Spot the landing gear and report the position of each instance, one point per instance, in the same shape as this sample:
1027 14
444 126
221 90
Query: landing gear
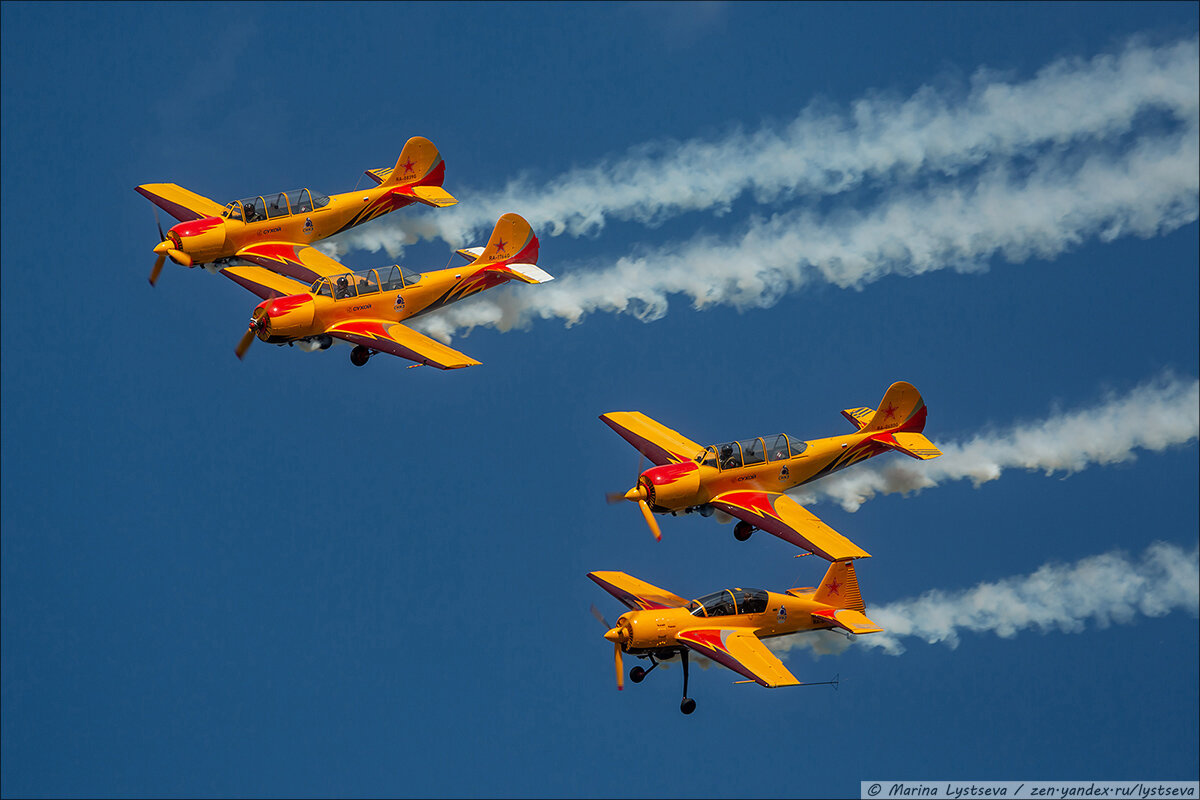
359 355
687 705
742 531
638 674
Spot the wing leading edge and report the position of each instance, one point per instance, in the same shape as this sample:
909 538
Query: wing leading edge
178 201
635 594
652 439
782 516
400 340
741 651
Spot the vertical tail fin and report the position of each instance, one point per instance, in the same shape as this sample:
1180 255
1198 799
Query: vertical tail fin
512 240
839 587
420 164
901 409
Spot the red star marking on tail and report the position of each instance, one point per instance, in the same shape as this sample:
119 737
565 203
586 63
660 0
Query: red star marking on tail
889 413
833 587
500 245
408 165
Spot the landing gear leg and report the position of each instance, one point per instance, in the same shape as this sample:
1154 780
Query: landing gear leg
638 674
742 531
688 705
359 355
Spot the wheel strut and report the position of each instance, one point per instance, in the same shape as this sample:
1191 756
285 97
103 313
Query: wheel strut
687 705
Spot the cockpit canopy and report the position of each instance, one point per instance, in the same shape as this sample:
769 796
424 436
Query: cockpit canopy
257 209
728 602
365 281
732 455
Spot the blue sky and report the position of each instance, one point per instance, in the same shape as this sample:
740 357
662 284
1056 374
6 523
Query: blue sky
292 576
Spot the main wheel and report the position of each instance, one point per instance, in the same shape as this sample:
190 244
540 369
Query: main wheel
688 705
742 531
637 674
359 355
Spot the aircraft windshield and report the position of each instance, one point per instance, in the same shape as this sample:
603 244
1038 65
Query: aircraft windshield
365 282
273 206
728 602
732 455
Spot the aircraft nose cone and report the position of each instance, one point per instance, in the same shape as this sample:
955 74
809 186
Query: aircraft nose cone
162 247
634 494
613 635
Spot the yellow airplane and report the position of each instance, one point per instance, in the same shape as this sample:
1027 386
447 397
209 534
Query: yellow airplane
728 626
747 479
250 229
366 307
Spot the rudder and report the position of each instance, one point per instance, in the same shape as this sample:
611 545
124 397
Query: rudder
901 409
512 240
839 587
420 164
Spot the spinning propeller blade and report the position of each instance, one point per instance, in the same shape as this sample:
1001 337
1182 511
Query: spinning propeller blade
162 256
620 667
158 265
244 343
650 520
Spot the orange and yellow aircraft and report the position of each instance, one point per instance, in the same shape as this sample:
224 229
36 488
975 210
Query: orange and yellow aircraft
747 479
728 626
366 307
256 228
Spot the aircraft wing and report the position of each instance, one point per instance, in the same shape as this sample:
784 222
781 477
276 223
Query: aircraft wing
782 516
264 282
300 261
178 201
741 651
635 594
400 340
652 439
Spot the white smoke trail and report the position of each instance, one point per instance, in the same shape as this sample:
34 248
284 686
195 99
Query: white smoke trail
1098 590
1154 416
1150 190
825 152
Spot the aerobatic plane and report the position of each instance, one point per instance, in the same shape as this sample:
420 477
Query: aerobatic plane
211 234
747 479
728 626
365 308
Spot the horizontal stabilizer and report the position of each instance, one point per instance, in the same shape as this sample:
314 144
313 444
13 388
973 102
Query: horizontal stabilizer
530 273
911 444
378 175
434 196
847 619
858 417
470 253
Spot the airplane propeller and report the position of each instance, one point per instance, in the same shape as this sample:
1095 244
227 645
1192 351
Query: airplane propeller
164 249
162 257
615 635
258 321
638 495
